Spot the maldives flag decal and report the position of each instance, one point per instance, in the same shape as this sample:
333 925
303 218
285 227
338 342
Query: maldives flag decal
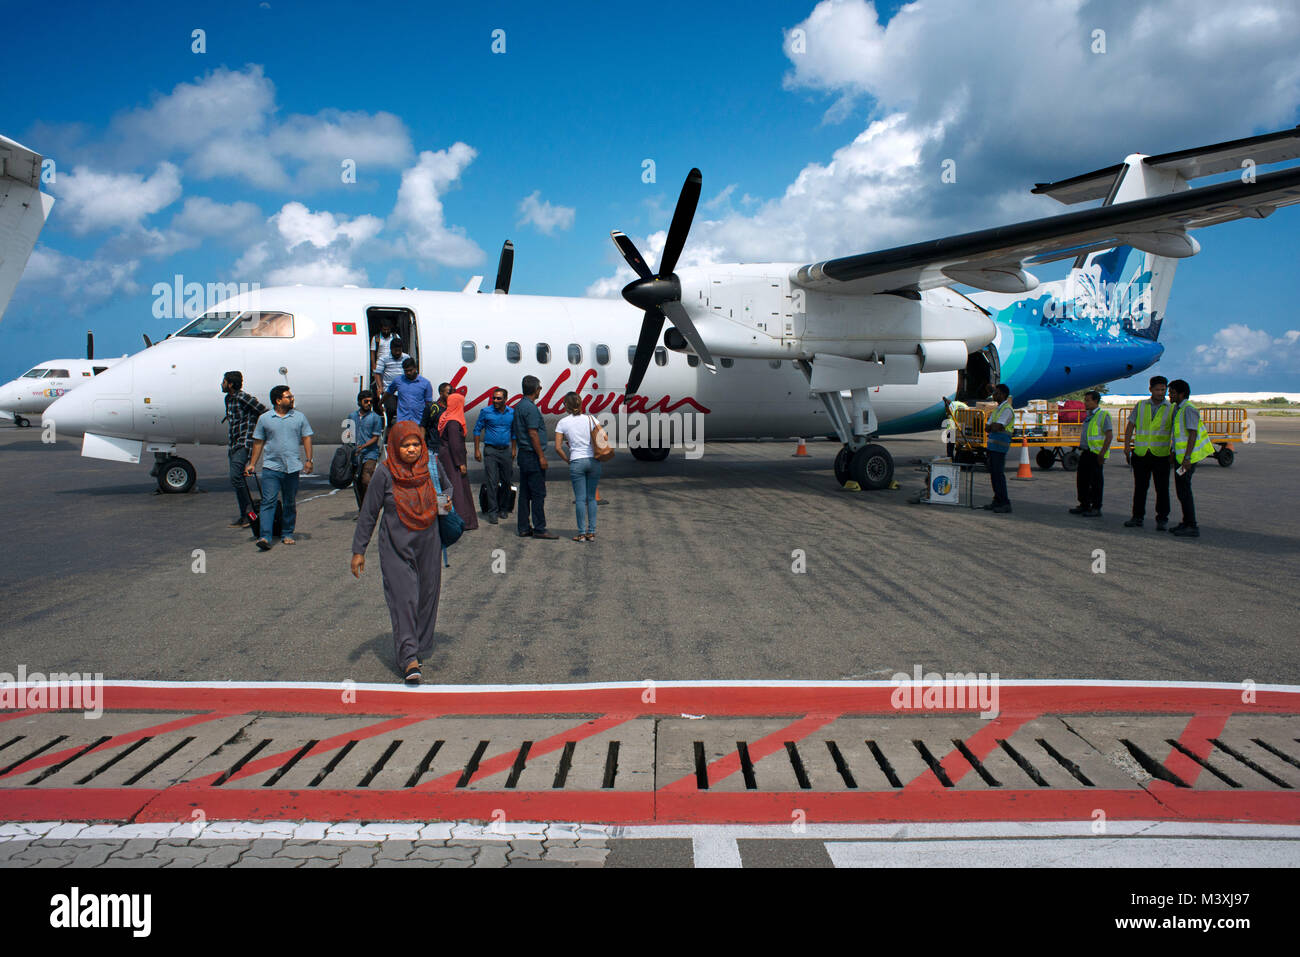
345 328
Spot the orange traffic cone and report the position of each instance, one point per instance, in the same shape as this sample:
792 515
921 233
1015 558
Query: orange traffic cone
1024 472
802 450
597 495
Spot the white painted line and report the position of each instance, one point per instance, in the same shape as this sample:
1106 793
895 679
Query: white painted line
712 849
1066 852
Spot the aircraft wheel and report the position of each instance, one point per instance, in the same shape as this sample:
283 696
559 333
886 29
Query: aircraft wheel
1225 456
872 467
842 460
650 455
21 422
176 475
1070 461
1045 458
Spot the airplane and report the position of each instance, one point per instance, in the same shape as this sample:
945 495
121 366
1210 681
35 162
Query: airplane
23 211
36 389
862 346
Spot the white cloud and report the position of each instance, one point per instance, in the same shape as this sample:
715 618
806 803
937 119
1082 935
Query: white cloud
316 248
80 283
1238 349
318 272
297 224
93 201
543 214
419 211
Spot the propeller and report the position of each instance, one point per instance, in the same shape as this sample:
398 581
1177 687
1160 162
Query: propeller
90 345
660 296
505 266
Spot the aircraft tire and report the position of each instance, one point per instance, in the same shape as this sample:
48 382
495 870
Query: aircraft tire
176 476
872 467
650 455
1045 458
842 460
21 422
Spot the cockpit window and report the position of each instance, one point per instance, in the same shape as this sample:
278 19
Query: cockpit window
261 325
58 374
35 373
207 325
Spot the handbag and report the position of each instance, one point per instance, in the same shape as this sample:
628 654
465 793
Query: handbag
600 447
450 526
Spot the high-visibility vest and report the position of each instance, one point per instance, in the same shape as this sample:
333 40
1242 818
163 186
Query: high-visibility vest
998 438
1095 436
1201 448
1151 428
951 421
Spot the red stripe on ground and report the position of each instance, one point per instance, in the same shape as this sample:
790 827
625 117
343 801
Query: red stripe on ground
7 715
273 761
643 807
714 701
729 764
1195 738
504 760
45 760
980 744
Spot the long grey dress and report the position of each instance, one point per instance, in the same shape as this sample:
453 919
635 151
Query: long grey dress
411 562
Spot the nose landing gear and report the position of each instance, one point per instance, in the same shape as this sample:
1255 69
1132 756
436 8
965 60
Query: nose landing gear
175 475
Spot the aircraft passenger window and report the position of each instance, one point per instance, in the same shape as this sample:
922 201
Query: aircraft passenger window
58 374
661 356
34 374
631 354
543 353
692 361
261 325
207 325
602 355
575 354
513 352
727 363
467 351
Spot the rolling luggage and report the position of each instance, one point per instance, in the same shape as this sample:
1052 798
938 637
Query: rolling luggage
255 512
505 498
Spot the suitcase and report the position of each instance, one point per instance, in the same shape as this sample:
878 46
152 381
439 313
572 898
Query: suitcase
505 498
255 512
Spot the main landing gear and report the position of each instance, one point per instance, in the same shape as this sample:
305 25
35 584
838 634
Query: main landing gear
175 475
860 460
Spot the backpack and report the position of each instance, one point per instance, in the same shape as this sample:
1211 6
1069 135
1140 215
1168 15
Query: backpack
343 466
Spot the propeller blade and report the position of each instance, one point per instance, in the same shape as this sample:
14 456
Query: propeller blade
90 345
651 326
629 251
679 317
505 266
147 341
681 224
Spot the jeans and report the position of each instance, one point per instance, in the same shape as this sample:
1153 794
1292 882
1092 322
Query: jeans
532 493
1183 486
238 459
1146 469
497 470
998 477
1088 480
278 484
584 474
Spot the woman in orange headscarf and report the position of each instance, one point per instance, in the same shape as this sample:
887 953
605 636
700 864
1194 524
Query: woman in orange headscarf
409 548
451 457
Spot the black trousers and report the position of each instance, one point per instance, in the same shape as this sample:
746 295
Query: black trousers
1183 486
998 477
1089 480
531 500
1146 469
498 470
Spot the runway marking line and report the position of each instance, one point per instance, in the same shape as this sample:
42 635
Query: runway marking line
808 705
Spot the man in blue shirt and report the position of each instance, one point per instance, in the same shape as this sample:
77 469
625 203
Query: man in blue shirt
367 432
279 432
497 421
414 393
530 436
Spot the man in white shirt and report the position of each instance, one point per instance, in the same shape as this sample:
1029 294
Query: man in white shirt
381 345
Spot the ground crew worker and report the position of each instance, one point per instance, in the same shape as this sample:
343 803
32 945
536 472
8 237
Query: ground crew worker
950 423
998 443
1146 449
1190 443
1094 445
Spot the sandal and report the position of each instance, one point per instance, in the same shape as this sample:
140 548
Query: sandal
288 541
591 536
579 538
412 676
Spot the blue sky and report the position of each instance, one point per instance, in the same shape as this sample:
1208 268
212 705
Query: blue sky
225 165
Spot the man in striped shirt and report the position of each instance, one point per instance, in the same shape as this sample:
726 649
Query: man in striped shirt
242 412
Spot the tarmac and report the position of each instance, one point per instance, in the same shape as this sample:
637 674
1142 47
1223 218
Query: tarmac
763 605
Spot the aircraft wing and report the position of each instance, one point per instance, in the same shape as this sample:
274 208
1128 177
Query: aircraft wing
23 209
994 258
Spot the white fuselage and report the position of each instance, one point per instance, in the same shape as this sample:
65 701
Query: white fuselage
170 393
35 391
